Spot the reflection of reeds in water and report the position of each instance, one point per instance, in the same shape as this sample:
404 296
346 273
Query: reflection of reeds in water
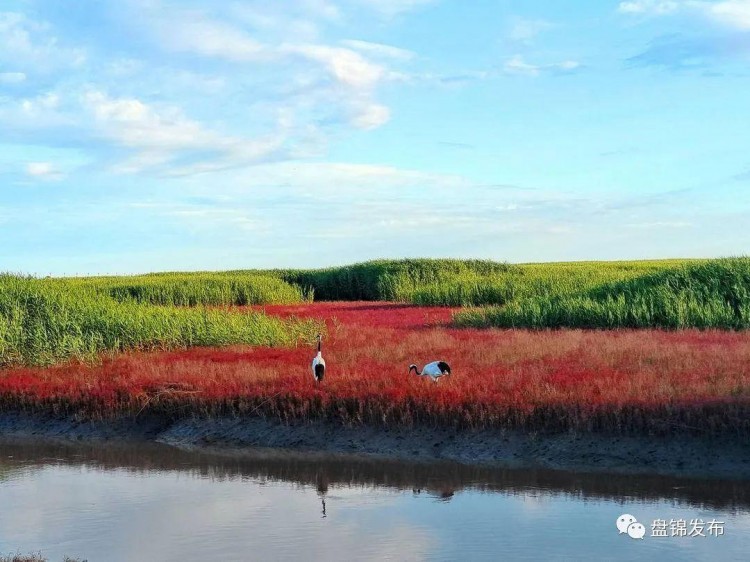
322 472
443 495
33 557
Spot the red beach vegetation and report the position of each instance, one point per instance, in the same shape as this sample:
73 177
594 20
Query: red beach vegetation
616 381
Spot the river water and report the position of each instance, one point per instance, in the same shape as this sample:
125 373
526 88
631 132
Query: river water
156 503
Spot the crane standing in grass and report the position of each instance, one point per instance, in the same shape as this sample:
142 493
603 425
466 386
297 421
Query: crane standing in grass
434 370
319 364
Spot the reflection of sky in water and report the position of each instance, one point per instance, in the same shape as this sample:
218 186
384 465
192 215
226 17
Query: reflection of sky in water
124 515
118 515
556 527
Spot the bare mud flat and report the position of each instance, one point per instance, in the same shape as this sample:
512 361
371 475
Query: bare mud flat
726 458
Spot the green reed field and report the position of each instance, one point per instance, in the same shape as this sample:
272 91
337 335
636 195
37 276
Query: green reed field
708 294
195 289
53 319
46 321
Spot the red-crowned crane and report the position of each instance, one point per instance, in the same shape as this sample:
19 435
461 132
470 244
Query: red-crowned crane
434 370
319 364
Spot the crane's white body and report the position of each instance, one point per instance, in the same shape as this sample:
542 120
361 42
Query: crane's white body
434 370
318 361
318 364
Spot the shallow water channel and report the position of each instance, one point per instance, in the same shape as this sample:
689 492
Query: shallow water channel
153 502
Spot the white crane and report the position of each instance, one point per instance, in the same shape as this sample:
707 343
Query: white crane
434 370
318 364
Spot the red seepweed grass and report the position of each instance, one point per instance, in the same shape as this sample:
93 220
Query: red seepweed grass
627 381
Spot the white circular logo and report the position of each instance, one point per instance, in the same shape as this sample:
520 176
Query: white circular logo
636 530
624 521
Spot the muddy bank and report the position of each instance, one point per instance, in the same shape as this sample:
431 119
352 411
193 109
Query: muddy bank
720 458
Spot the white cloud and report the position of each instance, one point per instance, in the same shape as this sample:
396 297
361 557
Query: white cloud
346 66
342 78
300 19
194 34
202 218
517 65
41 111
524 30
333 178
26 41
323 9
12 77
734 13
356 79
132 123
660 224
371 116
50 100
43 171
286 85
379 49
657 7
160 136
390 8
364 175
731 13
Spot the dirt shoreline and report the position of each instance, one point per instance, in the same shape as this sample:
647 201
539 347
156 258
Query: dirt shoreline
725 458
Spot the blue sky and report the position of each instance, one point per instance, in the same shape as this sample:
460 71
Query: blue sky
144 135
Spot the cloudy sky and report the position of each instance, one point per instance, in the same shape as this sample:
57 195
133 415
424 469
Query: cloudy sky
142 135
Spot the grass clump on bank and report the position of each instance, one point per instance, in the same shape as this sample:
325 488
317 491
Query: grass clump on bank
446 282
426 282
43 323
710 294
527 280
195 289
380 280
387 280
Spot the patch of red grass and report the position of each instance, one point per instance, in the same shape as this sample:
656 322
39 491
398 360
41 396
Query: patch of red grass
619 381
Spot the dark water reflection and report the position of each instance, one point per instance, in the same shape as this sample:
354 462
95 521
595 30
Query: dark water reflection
154 502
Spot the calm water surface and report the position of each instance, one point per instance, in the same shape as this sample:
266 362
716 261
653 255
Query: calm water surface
151 502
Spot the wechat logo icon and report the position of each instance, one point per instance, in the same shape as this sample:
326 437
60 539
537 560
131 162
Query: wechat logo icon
627 524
